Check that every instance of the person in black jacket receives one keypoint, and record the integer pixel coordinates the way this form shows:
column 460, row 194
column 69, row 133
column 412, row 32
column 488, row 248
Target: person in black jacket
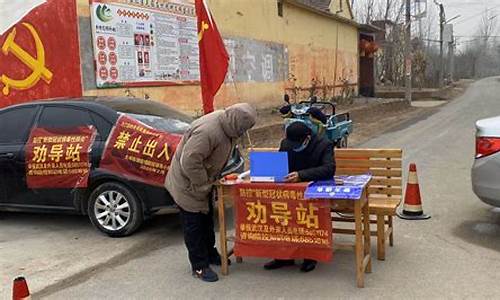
column 310, row 158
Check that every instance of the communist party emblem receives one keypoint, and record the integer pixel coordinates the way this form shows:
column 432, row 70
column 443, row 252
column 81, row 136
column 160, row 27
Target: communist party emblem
column 204, row 26
column 214, row 60
column 36, row 64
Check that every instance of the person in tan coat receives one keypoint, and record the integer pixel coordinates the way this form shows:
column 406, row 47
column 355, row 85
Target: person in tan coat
column 197, row 164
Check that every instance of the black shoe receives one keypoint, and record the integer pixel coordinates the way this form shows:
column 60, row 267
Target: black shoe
column 206, row 274
column 216, row 261
column 278, row 263
column 308, row 265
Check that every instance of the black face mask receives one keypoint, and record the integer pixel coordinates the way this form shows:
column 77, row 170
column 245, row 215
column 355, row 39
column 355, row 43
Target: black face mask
column 304, row 145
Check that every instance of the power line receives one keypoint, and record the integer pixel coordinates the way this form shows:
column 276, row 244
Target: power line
column 467, row 42
column 477, row 40
column 478, row 14
column 478, row 36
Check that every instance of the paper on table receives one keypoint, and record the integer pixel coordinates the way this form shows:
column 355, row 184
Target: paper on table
column 352, row 188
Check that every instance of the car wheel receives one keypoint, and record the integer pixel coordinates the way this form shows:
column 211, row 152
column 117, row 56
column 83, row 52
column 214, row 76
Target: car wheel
column 115, row 210
column 343, row 142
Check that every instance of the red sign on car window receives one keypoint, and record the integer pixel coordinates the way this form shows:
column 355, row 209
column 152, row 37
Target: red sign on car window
column 139, row 152
column 59, row 158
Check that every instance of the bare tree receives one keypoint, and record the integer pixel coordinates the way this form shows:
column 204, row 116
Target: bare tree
column 392, row 10
column 390, row 16
column 487, row 27
column 370, row 10
column 388, row 5
column 370, row 5
column 479, row 57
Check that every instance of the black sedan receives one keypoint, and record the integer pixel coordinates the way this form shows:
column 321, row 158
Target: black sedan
column 115, row 204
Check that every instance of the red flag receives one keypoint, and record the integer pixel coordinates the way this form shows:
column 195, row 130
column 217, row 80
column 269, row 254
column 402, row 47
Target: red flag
column 214, row 59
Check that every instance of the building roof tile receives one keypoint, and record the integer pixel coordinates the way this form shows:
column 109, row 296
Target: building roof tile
column 323, row 5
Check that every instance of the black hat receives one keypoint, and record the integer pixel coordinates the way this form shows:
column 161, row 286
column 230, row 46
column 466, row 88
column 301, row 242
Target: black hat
column 296, row 133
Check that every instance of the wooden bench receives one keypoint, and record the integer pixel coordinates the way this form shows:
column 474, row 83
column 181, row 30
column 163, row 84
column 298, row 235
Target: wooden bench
column 384, row 191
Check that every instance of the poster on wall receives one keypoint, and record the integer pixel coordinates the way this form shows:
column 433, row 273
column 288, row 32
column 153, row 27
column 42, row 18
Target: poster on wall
column 144, row 43
column 256, row 61
column 40, row 55
column 59, row 158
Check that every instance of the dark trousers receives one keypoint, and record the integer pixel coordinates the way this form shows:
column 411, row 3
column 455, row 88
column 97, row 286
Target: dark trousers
column 199, row 237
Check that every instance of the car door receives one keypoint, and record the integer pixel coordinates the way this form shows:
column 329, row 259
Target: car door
column 15, row 126
column 58, row 117
column 103, row 130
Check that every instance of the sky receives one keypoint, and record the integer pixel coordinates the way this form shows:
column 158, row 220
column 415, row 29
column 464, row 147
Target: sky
column 470, row 12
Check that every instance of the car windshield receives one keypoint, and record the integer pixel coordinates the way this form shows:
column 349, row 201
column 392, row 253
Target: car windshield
column 164, row 124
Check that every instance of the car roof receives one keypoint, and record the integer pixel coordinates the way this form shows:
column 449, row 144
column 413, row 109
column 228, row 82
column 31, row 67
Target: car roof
column 143, row 107
column 117, row 104
column 103, row 110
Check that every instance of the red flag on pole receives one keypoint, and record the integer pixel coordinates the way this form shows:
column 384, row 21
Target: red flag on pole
column 214, row 59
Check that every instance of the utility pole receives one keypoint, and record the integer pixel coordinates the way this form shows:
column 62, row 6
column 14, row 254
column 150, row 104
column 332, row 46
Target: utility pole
column 451, row 58
column 408, row 52
column 419, row 14
column 442, row 21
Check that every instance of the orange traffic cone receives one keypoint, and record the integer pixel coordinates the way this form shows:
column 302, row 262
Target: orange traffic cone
column 412, row 208
column 20, row 289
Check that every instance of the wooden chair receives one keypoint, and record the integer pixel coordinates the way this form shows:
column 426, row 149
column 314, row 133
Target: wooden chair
column 384, row 191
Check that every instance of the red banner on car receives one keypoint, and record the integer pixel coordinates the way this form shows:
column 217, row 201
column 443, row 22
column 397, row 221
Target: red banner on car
column 59, row 158
column 139, row 152
column 275, row 221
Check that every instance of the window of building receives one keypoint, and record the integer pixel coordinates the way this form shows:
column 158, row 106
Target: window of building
column 280, row 8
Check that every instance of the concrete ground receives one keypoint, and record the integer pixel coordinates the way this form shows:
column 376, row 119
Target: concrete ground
column 428, row 103
column 371, row 117
column 455, row 254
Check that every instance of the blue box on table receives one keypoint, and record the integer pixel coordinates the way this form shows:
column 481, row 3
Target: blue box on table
column 268, row 166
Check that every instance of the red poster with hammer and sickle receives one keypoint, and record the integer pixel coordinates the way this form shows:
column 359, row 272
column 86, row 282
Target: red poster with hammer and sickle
column 39, row 55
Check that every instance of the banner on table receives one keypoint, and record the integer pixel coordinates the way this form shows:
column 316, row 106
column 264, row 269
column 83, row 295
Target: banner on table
column 276, row 221
column 145, row 43
column 139, row 152
column 352, row 188
column 59, row 158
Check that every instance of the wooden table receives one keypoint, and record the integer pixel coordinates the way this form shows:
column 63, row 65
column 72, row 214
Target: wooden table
column 361, row 230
